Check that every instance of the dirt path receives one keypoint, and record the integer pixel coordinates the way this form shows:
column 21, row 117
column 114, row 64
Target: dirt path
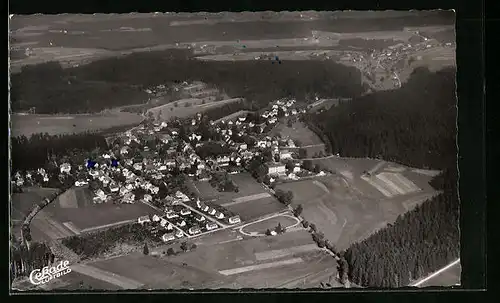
column 106, row 276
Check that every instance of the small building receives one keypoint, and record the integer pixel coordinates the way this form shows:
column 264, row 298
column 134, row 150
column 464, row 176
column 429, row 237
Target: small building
column 148, row 198
column 171, row 215
column 169, row 226
column 156, row 218
column 185, row 212
column 205, row 208
column 179, row 234
column 219, row 215
column 168, row 237
column 200, row 218
column 65, row 168
column 276, row 169
column 182, row 224
column 163, row 222
column 285, row 155
column 234, row 220
column 212, row 226
column 194, row 230
column 212, row 212
column 143, row 219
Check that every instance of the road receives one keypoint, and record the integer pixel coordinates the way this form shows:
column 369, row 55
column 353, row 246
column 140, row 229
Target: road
column 421, row 281
column 202, row 214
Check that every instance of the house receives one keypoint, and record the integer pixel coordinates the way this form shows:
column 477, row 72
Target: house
column 65, row 168
column 200, row 218
column 171, row 215
column 169, row 226
column 223, row 161
column 179, row 234
column 285, row 155
column 80, row 183
column 123, row 191
column 234, row 220
column 296, row 169
column 182, row 224
column 156, row 218
column 137, row 166
column 163, row 222
column 148, row 198
column 276, row 169
column 212, row 212
column 100, row 193
column 143, row 219
column 212, row 226
column 185, row 212
column 168, row 237
column 128, row 198
column 243, row 146
column 113, row 187
column 219, row 215
column 194, row 230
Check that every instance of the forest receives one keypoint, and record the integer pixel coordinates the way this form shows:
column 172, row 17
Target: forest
column 38, row 150
column 24, row 260
column 110, row 83
column 417, row 244
column 414, row 125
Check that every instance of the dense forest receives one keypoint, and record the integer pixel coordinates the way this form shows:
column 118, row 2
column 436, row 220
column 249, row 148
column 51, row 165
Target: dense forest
column 417, row 244
column 414, row 125
column 109, row 82
column 38, row 150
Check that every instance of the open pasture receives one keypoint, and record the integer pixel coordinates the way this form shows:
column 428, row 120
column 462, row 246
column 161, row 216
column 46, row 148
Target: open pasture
column 256, row 208
column 67, row 124
column 298, row 132
column 353, row 209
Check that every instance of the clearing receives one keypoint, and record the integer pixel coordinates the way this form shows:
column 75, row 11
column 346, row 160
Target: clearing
column 67, row 124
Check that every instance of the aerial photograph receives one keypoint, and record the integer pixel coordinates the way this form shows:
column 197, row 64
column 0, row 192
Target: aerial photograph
column 233, row 151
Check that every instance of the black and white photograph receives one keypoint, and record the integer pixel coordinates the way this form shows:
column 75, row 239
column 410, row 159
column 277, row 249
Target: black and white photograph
column 287, row 150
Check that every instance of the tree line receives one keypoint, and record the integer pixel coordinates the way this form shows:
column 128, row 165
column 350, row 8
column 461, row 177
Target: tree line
column 109, row 83
column 39, row 149
column 417, row 244
column 414, row 125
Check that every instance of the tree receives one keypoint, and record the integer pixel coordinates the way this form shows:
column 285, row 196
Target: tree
column 317, row 168
column 146, row 249
column 268, row 232
column 307, row 165
column 176, row 104
column 305, row 224
column 279, row 229
column 184, row 246
column 298, row 210
column 170, row 251
column 193, row 246
column 313, row 227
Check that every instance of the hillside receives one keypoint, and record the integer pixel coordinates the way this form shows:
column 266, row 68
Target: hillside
column 52, row 89
column 414, row 125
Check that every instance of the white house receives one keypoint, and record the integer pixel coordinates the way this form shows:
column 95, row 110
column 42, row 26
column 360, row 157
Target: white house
column 194, row 230
column 65, row 168
column 243, row 146
column 170, row 226
column 205, row 208
column 200, row 218
column 171, row 215
column 285, row 155
column 163, row 222
column 128, row 198
column 185, row 212
column 276, row 169
column 156, row 218
column 113, row 187
column 182, row 224
column 212, row 212
column 234, row 220
column 143, row 219
column 220, row 216
column 80, row 183
column 179, row 234
column 148, row 198
column 137, row 166
column 212, row 226
column 168, row 237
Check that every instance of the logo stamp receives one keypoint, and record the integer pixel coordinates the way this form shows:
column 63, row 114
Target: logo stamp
column 44, row 275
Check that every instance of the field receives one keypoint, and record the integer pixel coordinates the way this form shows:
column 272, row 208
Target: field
column 350, row 209
column 262, row 226
column 74, row 212
column 186, row 107
column 434, row 59
column 77, row 281
column 250, row 202
column 59, row 124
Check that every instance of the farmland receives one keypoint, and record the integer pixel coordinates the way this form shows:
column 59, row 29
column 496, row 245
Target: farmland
column 352, row 209
column 59, row 124
column 74, row 212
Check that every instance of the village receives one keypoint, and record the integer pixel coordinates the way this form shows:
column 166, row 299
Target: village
column 143, row 165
